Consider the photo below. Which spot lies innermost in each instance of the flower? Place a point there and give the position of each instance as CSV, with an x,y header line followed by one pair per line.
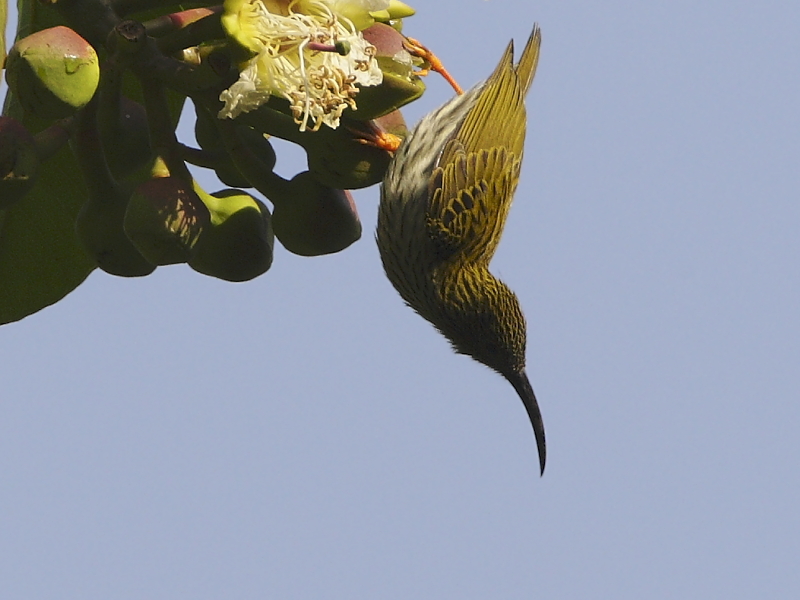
x,y
306,51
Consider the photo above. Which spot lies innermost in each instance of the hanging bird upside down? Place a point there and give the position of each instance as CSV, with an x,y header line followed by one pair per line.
x,y
444,203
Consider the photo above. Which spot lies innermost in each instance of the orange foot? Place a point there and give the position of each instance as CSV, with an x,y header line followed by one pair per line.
x,y
415,48
370,134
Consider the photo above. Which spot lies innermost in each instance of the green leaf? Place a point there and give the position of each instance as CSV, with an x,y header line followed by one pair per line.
x,y
41,260
3,21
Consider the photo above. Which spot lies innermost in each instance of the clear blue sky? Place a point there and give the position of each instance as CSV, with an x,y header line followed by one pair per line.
x,y
307,436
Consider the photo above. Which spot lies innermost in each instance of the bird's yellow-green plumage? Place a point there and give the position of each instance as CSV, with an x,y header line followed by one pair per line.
x,y
444,203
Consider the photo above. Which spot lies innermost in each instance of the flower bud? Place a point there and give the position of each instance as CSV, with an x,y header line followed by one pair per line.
x,y
52,72
393,123
400,85
314,219
238,244
208,138
339,159
99,229
164,219
98,224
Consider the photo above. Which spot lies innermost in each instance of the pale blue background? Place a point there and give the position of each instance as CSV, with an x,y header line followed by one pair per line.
x,y
306,436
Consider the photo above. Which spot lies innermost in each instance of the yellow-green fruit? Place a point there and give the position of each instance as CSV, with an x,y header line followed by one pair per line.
x,y
164,220
19,161
314,219
52,72
238,244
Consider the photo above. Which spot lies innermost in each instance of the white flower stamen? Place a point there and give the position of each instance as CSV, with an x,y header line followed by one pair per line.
x,y
318,84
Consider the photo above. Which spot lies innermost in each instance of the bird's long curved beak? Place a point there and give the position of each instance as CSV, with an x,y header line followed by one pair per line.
x,y
523,386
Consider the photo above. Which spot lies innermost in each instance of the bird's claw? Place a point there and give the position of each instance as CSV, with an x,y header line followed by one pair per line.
x,y
415,48
372,135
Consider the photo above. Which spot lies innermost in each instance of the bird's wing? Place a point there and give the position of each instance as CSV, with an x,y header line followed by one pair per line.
x,y
473,185
464,218
498,116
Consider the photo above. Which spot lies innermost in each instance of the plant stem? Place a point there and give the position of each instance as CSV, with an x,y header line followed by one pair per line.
x,y
205,26
162,132
89,153
51,140
253,168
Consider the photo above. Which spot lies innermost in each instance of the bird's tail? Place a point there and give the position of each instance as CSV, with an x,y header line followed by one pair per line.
x,y
526,67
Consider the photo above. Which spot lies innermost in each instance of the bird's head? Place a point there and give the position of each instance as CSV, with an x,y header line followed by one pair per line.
x,y
482,318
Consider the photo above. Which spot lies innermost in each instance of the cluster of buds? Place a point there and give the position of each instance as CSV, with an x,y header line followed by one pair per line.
x,y
112,81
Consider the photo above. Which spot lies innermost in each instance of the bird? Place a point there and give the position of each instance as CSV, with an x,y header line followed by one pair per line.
x,y
443,205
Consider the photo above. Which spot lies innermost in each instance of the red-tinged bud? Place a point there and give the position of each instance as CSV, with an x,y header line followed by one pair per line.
x,y
400,85
164,219
311,219
52,72
393,123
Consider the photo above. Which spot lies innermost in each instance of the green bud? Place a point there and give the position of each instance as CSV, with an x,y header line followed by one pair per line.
x,y
338,159
259,145
19,161
208,138
396,24
394,92
311,219
99,229
99,222
238,244
399,10
53,72
164,219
